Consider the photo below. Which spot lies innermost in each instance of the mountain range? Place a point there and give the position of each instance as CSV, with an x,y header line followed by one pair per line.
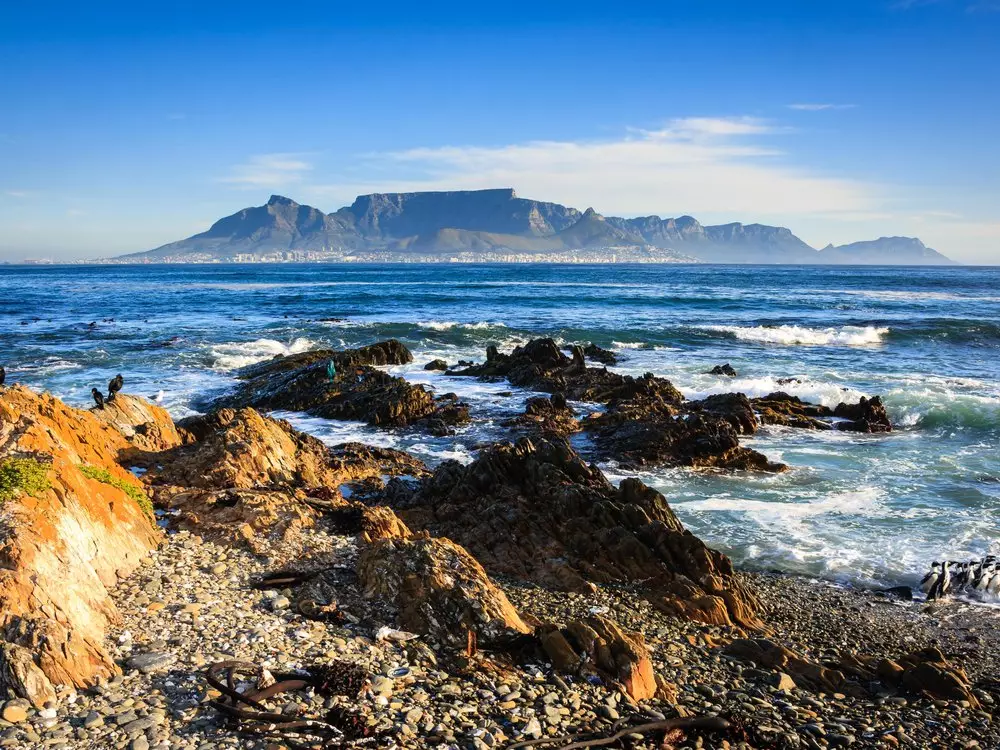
x,y
499,225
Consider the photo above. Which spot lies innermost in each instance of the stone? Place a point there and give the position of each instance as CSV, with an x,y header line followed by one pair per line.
x,y
153,661
15,711
438,588
21,677
436,364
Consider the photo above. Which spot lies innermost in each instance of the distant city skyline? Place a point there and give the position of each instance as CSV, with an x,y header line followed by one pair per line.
x,y
125,128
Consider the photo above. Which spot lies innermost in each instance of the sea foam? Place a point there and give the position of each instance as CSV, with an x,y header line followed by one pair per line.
x,y
802,335
233,355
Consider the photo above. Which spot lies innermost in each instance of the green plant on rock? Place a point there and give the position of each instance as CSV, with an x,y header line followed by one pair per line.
x,y
133,491
22,476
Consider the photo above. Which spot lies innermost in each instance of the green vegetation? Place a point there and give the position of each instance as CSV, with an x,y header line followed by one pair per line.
x,y
22,475
132,490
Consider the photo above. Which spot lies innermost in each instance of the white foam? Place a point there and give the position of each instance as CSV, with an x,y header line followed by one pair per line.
x,y
444,325
854,502
233,355
802,335
816,392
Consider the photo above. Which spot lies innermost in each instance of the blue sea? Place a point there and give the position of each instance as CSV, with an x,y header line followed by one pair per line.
x,y
871,509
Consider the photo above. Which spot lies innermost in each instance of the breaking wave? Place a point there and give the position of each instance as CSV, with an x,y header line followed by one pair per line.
x,y
233,355
801,335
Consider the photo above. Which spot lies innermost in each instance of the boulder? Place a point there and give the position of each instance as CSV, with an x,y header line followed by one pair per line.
x,y
734,408
145,425
535,511
599,645
438,588
926,672
436,364
868,415
596,353
21,678
75,521
726,369
783,409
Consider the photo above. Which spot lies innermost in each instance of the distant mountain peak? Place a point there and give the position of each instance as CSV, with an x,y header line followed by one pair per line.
x,y
496,223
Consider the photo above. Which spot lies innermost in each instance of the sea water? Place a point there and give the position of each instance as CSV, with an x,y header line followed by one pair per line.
x,y
873,509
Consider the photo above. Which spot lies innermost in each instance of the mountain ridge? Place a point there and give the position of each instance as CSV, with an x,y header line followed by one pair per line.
x,y
497,224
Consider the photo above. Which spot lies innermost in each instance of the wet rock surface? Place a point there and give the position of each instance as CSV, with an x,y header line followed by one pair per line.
x,y
345,385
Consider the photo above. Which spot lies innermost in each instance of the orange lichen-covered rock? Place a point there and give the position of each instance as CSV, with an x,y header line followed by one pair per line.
x,y
66,539
146,426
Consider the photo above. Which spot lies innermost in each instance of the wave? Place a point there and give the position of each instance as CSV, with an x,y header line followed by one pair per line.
x,y
930,409
827,394
789,334
848,502
233,355
445,325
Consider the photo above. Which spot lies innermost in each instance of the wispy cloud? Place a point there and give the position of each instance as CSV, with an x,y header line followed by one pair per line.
x,y
819,107
269,170
691,165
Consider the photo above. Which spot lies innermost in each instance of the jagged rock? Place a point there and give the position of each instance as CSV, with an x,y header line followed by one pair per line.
x,y
436,364
247,479
541,366
598,644
735,408
547,417
925,672
438,588
536,511
381,523
698,440
356,391
596,353
20,677
147,426
65,543
868,415
804,672
726,369
790,411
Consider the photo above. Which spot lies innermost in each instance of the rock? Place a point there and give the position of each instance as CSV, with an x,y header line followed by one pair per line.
x,y
804,672
381,523
903,593
436,364
735,408
358,391
596,353
69,541
868,415
153,661
438,588
726,369
925,672
783,681
22,678
598,644
537,512
145,425
783,409
15,711
546,417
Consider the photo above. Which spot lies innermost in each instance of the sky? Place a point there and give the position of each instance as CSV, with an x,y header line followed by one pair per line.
x,y
126,126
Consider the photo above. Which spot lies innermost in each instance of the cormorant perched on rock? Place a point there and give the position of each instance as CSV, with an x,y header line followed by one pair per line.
x,y
3,375
98,398
114,386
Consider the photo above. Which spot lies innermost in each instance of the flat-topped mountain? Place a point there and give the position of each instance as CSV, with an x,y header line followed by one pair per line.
x,y
499,225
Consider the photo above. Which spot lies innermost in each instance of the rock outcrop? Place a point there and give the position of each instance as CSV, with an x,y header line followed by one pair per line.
x,y
868,415
67,537
353,389
536,511
146,426
245,478
546,417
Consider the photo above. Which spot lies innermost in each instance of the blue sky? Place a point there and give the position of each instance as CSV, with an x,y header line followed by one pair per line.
x,y
125,127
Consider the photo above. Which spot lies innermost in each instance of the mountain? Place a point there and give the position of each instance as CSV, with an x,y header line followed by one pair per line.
x,y
904,251
499,225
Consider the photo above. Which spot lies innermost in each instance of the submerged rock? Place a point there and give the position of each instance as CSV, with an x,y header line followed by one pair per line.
x,y
726,369
537,512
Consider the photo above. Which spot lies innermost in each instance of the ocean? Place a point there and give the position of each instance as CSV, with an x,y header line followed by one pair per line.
x,y
868,509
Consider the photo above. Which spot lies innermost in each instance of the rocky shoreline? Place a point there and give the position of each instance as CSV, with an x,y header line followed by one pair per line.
x,y
375,602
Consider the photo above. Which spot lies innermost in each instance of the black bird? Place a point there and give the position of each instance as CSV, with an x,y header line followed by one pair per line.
x,y
98,398
115,385
3,375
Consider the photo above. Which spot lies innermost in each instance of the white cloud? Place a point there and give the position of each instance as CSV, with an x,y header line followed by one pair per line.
x,y
818,107
269,170
692,165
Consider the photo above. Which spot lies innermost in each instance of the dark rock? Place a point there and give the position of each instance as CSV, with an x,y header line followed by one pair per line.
x,y
781,408
358,391
726,369
547,417
596,353
436,364
868,415
536,511
903,593
734,408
